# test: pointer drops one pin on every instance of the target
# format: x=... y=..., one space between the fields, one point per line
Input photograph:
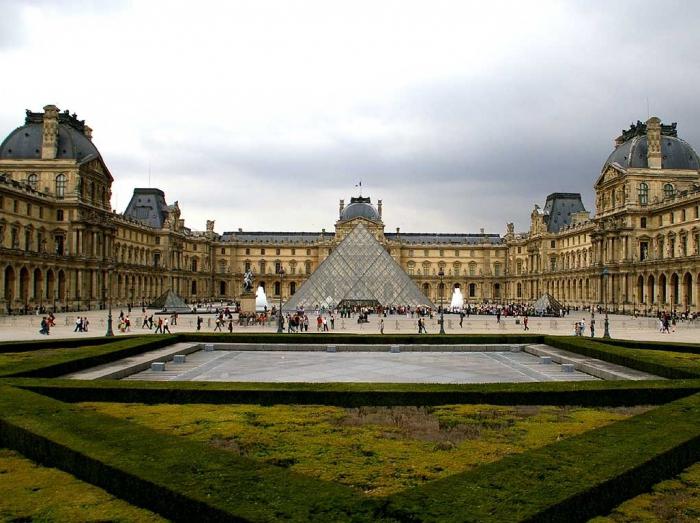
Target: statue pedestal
x=247 y=300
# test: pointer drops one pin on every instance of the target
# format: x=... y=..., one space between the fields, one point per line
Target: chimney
x=87 y=131
x=654 y=143
x=379 y=208
x=49 y=145
x=341 y=207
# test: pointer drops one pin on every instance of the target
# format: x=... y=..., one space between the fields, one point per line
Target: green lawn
x=30 y=492
x=377 y=450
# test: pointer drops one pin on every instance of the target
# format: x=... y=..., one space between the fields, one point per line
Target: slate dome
x=632 y=153
x=24 y=143
x=360 y=207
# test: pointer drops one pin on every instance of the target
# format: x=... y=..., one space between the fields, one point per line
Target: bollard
x=567 y=367
x=545 y=360
x=158 y=366
x=179 y=358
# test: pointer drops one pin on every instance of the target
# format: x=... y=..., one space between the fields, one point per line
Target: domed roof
x=675 y=153
x=24 y=143
x=360 y=208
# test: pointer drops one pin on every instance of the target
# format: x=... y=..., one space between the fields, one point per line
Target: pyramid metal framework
x=547 y=303
x=170 y=302
x=358 y=270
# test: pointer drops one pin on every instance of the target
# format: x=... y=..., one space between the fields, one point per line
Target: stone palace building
x=63 y=247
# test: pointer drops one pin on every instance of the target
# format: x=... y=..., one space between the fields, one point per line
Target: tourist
x=420 y=325
x=381 y=326
x=85 y=324
x=165 y=326
x=592 y=327
x=199 y=323
x=44 y=326
x=583 y=326
x=525 y=319
x=218 y=325
x=461 y=317
x=159 y=327
x=145 y=322
x=78 y=325
x=230 y=325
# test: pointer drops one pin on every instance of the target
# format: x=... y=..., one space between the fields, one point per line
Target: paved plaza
x=366 y=367
x=621 y=326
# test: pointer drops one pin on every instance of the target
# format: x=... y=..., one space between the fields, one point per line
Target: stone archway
x=651 y=289
x=640 y=290
x=37 y=291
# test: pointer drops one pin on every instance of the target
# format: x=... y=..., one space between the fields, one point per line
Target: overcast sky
x=263 y=114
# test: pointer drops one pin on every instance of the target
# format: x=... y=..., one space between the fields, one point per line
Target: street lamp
x=441 y=274
x=109 y=332
x=604 y=274
x=280 y=330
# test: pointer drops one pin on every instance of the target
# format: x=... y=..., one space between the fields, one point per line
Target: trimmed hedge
x=584 y=393
x=65 y=362
x=660 y=363
x=691 y=348
x=572 y=480
x=180 y=479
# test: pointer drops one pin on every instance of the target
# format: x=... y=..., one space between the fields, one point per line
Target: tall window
x=278 y=267
x=33 y=181
x=60 y=186
x=308 y=267
x=643 y=194
x=669 y=191
x=278 y=287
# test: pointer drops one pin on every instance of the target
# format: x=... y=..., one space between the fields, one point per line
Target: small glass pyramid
x=358 y=272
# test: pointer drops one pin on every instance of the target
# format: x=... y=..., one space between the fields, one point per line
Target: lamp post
x=604 y=274
x=280 y=330
x=109 y=332
x=441 y=274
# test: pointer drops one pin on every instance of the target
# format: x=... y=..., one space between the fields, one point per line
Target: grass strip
x=572 y=480
x=57 y=362
x=667 y=364
x=179 y=479
x=584 y=393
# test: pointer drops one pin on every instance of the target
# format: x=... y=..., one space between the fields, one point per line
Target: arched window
x=33 y=181
x=60 y=186
x=669 y=191
x=643 y=194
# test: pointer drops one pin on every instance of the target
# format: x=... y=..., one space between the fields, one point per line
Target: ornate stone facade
x=62 y=246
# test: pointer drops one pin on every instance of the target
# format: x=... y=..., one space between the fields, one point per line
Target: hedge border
x=620 y=356
x=217 y=484
x=668 y=442
x=589 y=393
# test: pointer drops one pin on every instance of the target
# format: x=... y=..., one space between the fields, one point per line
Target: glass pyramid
x=358 y=271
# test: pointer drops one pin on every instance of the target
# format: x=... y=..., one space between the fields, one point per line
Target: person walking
x=461 y=318
x=592 y=328
x=159 y=327
x=525 y=319
x=381 y=326
x=78 y=325
x=165 y=327
x=230 y=325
